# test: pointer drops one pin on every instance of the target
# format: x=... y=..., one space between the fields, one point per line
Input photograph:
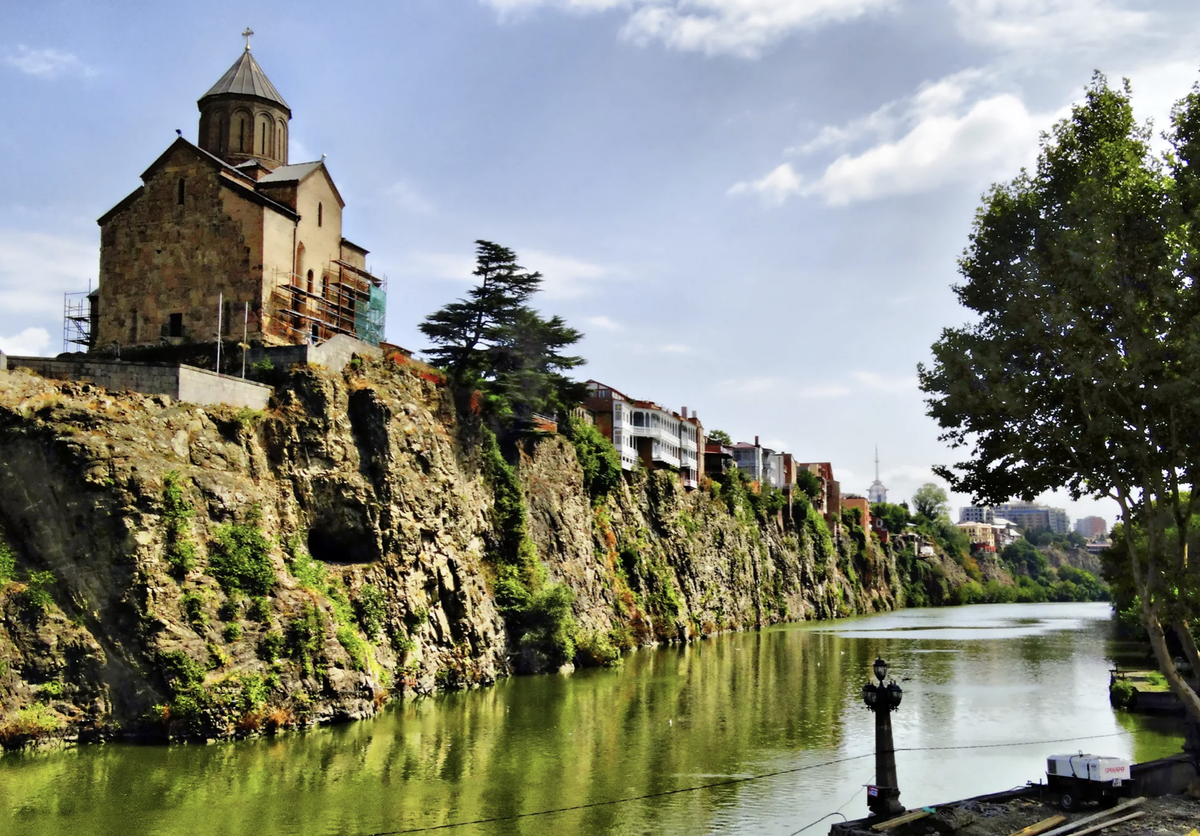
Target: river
x=735 y=706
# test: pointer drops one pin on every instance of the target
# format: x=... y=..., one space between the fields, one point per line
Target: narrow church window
x=175 y=325
x=310 y=281
x=320 y=213
x=316 y=332
x=324 y=287
x=180 y=196
x=241 y=134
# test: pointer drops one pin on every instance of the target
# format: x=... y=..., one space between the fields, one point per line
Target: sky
x=752 y=208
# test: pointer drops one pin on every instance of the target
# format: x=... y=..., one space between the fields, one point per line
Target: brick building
x=229 y=221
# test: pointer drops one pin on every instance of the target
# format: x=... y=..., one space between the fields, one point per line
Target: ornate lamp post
x=883 y=700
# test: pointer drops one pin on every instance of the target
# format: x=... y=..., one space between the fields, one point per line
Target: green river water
x=735 y=706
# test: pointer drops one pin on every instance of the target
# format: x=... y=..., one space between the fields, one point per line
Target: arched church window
x=241 y=134
x=320 y=214
x=310 y=281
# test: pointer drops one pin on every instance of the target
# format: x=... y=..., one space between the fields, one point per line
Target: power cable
x=730 y=782
x=662 y=794
x=838 y=811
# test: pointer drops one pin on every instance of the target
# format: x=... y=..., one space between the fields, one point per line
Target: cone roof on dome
x=246 y=78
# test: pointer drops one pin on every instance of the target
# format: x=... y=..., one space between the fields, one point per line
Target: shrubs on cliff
x=8 y=561
x=240 y=557
x=180 y=550
x=536 y=614
x=598 y=459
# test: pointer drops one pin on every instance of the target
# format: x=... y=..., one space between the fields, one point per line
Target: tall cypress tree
x=495 y=341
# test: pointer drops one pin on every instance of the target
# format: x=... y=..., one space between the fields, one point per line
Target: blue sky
x=751 y=207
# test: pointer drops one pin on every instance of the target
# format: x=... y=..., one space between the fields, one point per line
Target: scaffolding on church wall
x=77 y=321
x=349 y=300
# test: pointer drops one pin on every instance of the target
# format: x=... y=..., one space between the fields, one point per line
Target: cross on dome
x=247 y=35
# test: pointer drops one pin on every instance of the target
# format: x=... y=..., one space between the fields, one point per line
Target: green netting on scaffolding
x=368 y=319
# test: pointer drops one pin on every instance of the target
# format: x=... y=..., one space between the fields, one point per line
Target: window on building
x=179 y=197
x=241 y=134
x=316 y=332
x=175 y=325
x=310 y=281
x=320 y=214
x=324 y=286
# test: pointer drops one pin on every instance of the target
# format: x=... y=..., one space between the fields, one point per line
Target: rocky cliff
x=172 y=571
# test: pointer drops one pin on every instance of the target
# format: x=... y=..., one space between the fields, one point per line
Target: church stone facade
x=228 y=225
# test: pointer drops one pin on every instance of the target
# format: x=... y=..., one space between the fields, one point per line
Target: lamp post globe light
x=883 y=798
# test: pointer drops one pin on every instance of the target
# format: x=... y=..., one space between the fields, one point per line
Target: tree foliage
x=931 y=501
x=720 y=437
x=895 y=518
x=494 y=341
x=1081 y=367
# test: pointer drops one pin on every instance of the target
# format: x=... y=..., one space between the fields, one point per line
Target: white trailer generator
x=1078 y=778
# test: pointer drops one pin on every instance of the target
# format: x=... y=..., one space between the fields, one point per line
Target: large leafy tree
x=495 y=341
x=1082 y=367
x=931 y=501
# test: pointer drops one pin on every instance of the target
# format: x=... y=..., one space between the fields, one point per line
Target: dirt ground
x=1168 y=816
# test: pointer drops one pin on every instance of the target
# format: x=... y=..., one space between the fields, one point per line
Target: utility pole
x=245 y=333
x=220 y=309
x=883 y=797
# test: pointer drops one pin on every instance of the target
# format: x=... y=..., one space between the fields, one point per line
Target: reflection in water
x=736 y=705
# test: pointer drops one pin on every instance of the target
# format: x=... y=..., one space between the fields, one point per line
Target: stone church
x=230 y=221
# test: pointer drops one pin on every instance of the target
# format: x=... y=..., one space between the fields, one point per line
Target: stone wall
x=334 y=354
x=183 y=383
x=200 y=386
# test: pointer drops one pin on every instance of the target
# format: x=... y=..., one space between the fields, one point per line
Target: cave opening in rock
x=332 y=544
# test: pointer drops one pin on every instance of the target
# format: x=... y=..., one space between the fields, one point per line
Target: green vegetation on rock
x=240 y=556
x=180 y=550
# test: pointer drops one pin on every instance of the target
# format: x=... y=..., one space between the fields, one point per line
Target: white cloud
x=676 y=348
x=823 y=391
x=448 y=266
x=947 y=131
x=47 y=63
x=774 y=188
x=30 y=342
x=744 y=28
x=36 y=268
x=1038 y=25
x=871 y=380
x=750 y=385
x=604 y=323
x=995 y=137
x=564 y=277
x=406 y=197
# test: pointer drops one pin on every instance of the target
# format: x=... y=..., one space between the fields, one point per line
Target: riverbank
x=1004 y=815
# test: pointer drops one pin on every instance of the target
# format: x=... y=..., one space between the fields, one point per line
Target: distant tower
x=877 y=492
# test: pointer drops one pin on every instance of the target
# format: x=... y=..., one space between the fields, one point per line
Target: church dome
x=243 y=117
x=246 y=78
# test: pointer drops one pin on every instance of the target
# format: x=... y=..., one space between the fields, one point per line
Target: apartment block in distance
x=1093 y=528
x=1031 y=515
